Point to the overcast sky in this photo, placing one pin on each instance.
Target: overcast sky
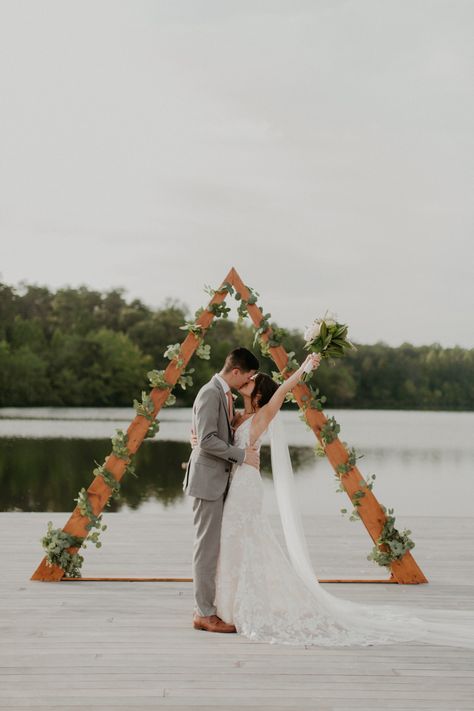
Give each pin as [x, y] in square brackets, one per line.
[323, 148]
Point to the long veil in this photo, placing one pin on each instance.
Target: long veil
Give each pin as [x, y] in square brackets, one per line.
[364, 624]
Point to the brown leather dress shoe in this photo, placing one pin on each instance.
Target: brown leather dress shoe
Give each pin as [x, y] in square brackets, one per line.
[212, 623]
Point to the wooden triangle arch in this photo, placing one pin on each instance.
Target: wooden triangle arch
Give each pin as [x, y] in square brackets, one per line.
[371, 513]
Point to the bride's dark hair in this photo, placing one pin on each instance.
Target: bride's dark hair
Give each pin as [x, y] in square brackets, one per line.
[263, 390]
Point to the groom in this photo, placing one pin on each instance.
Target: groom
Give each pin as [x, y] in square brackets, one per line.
[207, 477]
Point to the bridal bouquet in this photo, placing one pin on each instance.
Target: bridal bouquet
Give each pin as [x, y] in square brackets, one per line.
[328, 337]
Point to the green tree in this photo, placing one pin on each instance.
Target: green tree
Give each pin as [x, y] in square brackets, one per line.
[23, 378]
[85, 347]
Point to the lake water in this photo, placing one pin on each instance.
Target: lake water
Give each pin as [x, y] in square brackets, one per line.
[423, 461]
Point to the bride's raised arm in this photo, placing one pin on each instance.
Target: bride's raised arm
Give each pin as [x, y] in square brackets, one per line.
[268, 411]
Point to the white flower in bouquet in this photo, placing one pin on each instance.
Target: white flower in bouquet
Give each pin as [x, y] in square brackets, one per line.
[312, 331]
[330, 319]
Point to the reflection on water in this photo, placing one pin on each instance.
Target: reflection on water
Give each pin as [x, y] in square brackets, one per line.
[46, 474]
[423, 460]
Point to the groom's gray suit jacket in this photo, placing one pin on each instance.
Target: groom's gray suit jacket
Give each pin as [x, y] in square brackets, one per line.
[208, 469]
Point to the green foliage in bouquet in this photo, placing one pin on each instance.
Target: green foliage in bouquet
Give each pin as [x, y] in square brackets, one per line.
[328, 337]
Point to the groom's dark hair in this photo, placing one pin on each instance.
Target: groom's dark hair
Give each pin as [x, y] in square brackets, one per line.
[241, 358]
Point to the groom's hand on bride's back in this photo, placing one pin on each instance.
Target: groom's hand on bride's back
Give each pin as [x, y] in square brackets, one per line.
[252, 457]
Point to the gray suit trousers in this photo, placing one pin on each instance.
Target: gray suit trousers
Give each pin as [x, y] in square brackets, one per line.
[207, 529]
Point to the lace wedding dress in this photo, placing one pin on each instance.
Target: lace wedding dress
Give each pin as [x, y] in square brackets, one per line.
[273, 597]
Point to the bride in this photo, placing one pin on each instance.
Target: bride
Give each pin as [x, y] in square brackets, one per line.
[272, 597]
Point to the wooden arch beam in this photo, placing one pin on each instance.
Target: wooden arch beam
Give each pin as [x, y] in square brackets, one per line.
[370, 511]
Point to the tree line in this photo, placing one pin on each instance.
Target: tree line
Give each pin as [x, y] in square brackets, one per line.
[81, 347]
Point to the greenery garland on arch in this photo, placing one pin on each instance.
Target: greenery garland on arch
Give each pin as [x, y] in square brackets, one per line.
[391, 544]
[56, 543]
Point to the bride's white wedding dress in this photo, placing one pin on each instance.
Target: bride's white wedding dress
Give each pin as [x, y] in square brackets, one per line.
[274, 597]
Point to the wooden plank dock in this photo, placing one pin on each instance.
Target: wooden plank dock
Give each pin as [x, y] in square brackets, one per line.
[121, 645]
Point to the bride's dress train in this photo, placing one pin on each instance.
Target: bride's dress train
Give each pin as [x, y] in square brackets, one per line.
[271, 597]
